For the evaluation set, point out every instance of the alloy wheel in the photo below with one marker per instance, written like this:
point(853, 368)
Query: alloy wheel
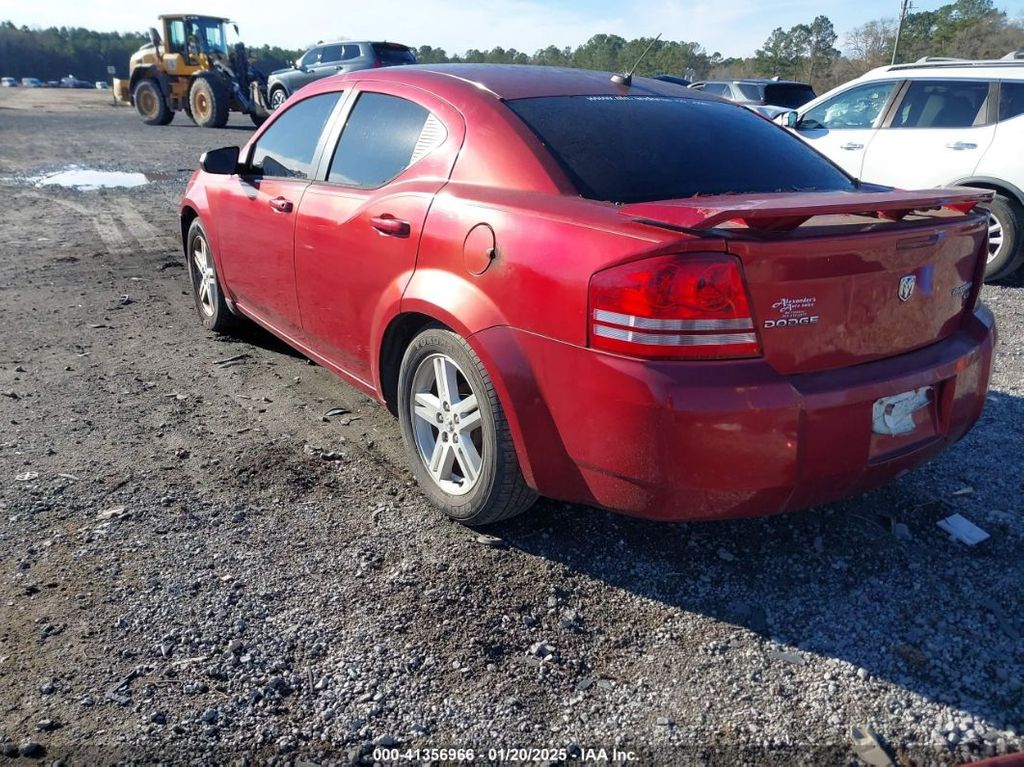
point(204, 278)
point(447, 424)
point(277, 98)
point(995, 236)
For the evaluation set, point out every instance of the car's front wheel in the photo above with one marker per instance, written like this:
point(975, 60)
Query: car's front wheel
point(277, 98)
point(1005, 235)
point(455, 431)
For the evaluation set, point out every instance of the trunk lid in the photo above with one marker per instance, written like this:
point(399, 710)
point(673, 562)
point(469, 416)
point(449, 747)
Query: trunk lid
point(838, 279)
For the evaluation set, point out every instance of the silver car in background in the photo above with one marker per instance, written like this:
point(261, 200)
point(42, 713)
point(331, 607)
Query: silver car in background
point(328, 59)
point(766, 97)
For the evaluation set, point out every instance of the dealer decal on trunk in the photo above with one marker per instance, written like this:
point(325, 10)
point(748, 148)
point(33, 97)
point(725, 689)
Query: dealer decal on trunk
point(794, 312)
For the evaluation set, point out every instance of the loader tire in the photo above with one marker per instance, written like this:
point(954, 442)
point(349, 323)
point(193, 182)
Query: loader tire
point(151, 104)
point(208, 100)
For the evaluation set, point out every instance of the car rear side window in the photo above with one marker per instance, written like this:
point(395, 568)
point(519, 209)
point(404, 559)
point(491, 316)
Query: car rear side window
point(349, 52)
point(390, 54)
point(641, 148)
point(946, 104)
point(788, 95)
point(288, 146)
point(1011, 100)
point(383, 136)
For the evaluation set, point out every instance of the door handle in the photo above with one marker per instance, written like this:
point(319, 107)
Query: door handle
point(961, 145)
point(390, 226)
point(851, 146)
point(281, 205)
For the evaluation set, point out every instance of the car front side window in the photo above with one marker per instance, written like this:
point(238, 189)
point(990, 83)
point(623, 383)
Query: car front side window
point(331, 54)
point(857, 108)
point(312, 57)
point(289, 144)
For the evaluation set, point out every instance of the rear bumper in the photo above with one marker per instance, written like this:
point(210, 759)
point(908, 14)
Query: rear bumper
point(684, 440)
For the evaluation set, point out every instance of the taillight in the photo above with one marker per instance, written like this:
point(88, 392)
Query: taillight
point(688, 307)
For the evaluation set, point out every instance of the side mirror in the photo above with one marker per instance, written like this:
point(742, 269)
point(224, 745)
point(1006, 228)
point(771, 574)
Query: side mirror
point(786, 119)
point(154, 38)
point(222, 161)
point(298, 65)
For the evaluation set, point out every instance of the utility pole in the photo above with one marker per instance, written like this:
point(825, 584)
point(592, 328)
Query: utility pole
point(904, 9)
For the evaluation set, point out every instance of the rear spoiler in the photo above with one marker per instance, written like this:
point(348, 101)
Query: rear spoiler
point(786, 211)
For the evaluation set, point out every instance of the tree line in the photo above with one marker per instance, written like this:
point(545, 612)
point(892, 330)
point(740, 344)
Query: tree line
point(961, 29)
point(50, 54)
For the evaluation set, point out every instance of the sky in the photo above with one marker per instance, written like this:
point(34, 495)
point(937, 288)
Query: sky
point(732, 27)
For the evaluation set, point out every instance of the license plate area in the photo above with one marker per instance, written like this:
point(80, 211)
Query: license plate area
point(903, 421)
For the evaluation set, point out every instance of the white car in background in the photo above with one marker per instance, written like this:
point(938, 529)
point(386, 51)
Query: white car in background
point(930, 124)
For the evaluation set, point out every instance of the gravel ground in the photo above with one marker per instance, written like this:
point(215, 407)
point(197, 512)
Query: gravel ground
point(197, 564)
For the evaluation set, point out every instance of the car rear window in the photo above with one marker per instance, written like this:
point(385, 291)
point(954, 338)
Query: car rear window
point(641, 148)
point(789, 96)
point(390, 54)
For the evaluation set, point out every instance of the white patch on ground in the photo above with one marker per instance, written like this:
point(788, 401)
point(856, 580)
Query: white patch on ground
point(87, 180)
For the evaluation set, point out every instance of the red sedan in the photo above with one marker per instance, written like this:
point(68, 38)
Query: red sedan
point(635, 296)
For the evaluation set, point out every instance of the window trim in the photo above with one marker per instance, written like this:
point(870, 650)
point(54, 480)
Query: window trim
point(992, 101)
point(314, 165)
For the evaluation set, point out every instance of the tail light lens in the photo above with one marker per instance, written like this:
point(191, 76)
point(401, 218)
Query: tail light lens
point(675, 307)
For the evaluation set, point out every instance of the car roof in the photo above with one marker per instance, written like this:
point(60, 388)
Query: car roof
point(359, 42)
point(513, 81)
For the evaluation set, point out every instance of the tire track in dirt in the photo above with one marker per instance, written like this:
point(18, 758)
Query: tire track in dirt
point(119, 224)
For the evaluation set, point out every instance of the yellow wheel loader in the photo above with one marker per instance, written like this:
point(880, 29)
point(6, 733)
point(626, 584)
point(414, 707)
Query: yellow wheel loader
point(192, 69)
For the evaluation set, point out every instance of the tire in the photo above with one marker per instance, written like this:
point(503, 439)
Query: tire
point(150, 103)
point(208, 100)
point(1006, 221)
point(499, 490)
point(277, 98)
point(206, 288)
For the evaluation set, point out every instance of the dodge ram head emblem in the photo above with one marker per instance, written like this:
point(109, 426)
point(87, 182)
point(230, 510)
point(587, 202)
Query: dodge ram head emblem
point(907, 287)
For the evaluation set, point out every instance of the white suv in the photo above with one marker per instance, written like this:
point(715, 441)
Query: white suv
point(933, 123)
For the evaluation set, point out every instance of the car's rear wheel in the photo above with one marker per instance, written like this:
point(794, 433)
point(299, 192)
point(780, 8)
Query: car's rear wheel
point(1005, 235)
point(206, 288)
point(456, 435)
point(151, 104)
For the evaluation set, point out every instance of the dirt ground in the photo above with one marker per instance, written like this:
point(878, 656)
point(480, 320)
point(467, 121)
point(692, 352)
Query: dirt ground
point(183, 577)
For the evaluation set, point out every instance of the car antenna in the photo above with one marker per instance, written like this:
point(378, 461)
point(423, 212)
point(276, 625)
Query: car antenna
point(627, 78)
